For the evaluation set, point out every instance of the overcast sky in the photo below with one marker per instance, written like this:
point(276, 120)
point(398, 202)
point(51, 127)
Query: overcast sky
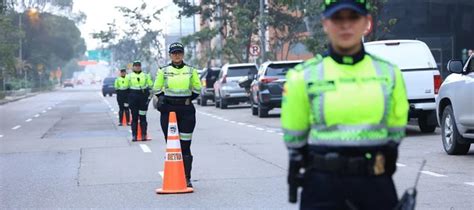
point(101, 12)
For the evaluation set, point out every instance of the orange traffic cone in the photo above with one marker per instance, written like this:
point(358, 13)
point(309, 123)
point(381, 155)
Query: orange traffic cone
point(124, 120)
point(174, 180)
point(139, 133)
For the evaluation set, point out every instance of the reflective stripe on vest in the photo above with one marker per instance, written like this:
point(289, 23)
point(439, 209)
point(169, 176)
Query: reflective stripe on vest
point(347, 135)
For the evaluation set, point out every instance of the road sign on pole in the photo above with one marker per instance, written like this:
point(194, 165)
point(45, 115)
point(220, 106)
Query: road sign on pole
point(254, 50)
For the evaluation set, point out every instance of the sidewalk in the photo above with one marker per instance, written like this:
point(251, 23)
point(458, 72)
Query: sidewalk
point(9, 99)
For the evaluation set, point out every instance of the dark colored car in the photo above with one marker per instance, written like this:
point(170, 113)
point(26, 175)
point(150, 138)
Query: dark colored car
point(108, 86)
point(208, 78)
point(266, 88)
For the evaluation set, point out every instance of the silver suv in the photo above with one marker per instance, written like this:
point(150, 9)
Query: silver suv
point(455, 107)
point(226, 89)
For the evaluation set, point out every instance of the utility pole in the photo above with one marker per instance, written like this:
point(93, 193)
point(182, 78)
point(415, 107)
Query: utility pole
point(219, 37)
point(262, 31)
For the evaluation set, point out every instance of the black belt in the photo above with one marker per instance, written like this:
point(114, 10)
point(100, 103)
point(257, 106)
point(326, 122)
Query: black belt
point(137, 91)
point(177, 101)
point(373, 164)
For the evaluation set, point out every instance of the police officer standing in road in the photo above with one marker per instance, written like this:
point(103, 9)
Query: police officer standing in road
point(176, 85)
point(343, 116)
point(121, 88)
point(140, 85)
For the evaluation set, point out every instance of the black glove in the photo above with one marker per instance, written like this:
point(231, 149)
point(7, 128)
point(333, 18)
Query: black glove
point(161, 101)
point(194, 96)
point(295, 177)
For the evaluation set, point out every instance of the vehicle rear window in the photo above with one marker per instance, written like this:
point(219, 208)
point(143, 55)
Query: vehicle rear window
point(405, 55)
point(240, 71)
point(279, 70)
point(109, 80)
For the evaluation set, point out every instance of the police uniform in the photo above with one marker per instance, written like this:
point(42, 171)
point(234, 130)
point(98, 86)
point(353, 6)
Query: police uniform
point(121, 87)
point(176, 85)
point(343, 118)
point(140, 85)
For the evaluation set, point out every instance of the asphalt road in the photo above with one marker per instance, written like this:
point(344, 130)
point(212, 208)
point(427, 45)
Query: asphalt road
point(64, 150)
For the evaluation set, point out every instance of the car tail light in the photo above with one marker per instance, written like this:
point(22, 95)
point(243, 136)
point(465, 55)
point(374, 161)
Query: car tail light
point(224, 79)
point(268, 80)
point(437, 83)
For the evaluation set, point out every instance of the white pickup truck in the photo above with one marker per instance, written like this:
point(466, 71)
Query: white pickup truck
point(421, 74)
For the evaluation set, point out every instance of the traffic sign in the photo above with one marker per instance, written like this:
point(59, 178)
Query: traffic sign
point(254, 50)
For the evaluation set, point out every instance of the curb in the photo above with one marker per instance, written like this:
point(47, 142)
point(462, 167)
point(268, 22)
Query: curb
point(5, 101)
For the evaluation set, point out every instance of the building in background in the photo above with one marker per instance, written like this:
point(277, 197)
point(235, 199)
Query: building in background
point(446, 26)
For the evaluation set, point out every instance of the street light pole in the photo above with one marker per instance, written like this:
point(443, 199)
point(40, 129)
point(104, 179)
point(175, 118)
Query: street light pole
point(262, 31)
point(20, 53)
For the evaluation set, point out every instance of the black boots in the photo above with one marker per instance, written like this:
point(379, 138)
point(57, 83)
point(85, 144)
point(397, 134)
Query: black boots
point(188, 162)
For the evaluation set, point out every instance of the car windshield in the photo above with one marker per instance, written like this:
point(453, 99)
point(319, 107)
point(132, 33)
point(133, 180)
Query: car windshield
point(240, 71)
point(109, 80)
point(279, 70)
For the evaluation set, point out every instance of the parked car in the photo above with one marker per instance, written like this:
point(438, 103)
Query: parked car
point(421, 75)
point(108, 86)
point(266, 88)
point(208, 78)
point(455, 107)
point(226, 89)
point(68, 83)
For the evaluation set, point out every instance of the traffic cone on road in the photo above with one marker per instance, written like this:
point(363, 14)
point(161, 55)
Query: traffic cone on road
point(174, 180)
point(124, 120)
point(139, 133)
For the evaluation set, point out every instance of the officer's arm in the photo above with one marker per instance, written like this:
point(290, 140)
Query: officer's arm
point(295, 110)
point(159, 81)
point(398, 114)
point(149, 81)
point(196, 83)
point(116, 84)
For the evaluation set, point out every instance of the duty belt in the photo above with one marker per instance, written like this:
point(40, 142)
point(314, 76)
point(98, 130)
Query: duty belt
point(177, 101)
point(369, 165)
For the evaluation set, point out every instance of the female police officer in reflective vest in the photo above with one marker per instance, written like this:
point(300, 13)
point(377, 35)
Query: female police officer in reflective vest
point(343, 116)
point(176, 85)
point(121, 87)
point(140, 85)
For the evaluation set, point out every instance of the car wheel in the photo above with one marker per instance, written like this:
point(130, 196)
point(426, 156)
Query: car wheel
point(450, 135)
point(261, 111)
point(217, 104)
point(253, 108)
point(425, 125)
point(111, 94)
point(203, 102)
point(223, 104)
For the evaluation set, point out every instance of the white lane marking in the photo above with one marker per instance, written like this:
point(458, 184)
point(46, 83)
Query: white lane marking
point(28, 120)
point(469, 183)
point(115, 112)
point(162, 174)
point(16, 127)
point(129, 131)
point(116, 117)
point(1, 136)
point(225, 120)
point(270, 131)
point(433, 174)
point(251, 126)
point(401, 165)
point(37, 115)
point(232, 121)
point(260, 129)
point(241, 123)
point(49, 108)
point(145, 148)
point(281, 134)
point(44, 111)
point(112, 110)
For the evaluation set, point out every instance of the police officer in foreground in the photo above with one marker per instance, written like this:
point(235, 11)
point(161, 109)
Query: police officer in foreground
point(176, 85)
point(121, 88)
point(140, 85)
point(344, 115)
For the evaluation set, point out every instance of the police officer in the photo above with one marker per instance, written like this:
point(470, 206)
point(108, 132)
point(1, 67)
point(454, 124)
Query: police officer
point(121, 87)
point(176, 85)
point(140, 85)
point(343, 116)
